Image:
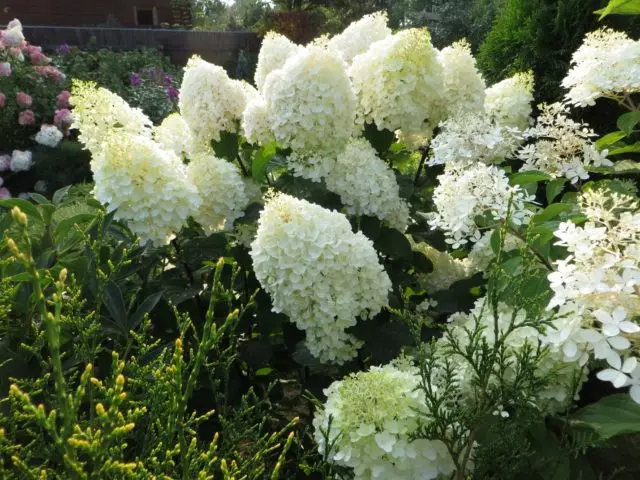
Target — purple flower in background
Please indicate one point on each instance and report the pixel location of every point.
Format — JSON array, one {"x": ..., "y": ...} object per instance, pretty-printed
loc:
[
  {"x": 4, "y": 194},
  {"x": 64, "y": 49},
  {"x": 168, "y": 80},
  {"x": 135, "y": 80},
  {"x": 173, "y": 93}
]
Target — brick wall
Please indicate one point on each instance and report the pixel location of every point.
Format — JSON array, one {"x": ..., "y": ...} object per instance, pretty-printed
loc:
[{"x": 80, "y": 12}]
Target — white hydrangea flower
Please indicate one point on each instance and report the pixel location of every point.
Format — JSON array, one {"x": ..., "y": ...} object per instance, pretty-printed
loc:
[
  {"x": 367, "y": 186},
  {"x": 562, "y": 147},
  {"x": 414, "y": 140},
  {"x": 310, "y": 103},
  {"x": 562, "y": 374},
  {"x": 276, "y": 49},
  {"x": 256, "y": 126},
  {"x": 469, "y": 138},
  {"x": 49, "y": 136},
  {"x": 372, "y": 415},
  {"x": 360, "y": 35},
  {"x": 210, "y": 102},
  {"x": 399, "y": 83},
  {"x": 174, "y": 134},
  {"x": 464, "y": 87},
  {"x": 606, "y": 64},
  {"x": 508, "y": 102},
  {"x": 146, "y": 185},
  {"x": 21, "y": 161},
  {"x": 13, "y": 36},
  {"x": 314, "y": 167},
  {"x": 319, "y": 273},
  {"x": 222, "y": 191},
  {"x": 446, "y": 269},
  {"x": 99, "y": 113},
  {"x": 465, "y": 193},
  {"x": 597, "y": 286}
]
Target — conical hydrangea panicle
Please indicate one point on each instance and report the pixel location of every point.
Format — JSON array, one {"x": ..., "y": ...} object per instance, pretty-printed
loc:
[
  {"x": 146, "y": 185},
  {"x": 310, "y": 103},
  {"x": 222, "y": 191},
  {"x": 367, "y": 186},
  {"x": 370, "y": 417},
  {"x": 319, "y": 273},
  {"x": 398, "y": 82},
  {"x": 210, "y": 102},
  {"x": 99, "y": 113},
  {"x": 276, "y": 49},
  {"x": 464, "y": 87},
  {"x": 508, "y": 102},
  {"x": 606, "y": 64},
  {"x": 360, "y": 35}
]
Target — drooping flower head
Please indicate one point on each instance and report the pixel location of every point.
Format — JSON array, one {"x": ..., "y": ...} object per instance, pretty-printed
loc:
[
  {"x": 367, "y": 186},
  {"x": 98, "y": 113},
  {"x": 222, "y": 191},
  {"x": 146, "y": 185},
  {"x": 398, "y": 82},
  {"x": 319, "y": 273},
  {"x": 360, "y": 35},
  {"x": 508, "y": 102},
  {"x": 464, "y": 87},
  {"x": 368, "y": 420},
  {"x": 210, "y": 102},
  {"x": 276, "y": 49},
  {"x": 310, "y": 103},
  {"x": 607, "y": 63}
]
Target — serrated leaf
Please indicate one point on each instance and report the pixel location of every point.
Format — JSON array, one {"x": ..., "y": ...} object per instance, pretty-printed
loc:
[
  {"x": 496, "y": 240},
  {"x": 381, "y": 140},
  {"x": 114, "y": 301},
  {"x": 554, "y": 188},
  {"x": 394, "y": 244},
  {"x": 61, "y": 194},
  {"x": 261, "y": 160},
  {"x": 528, "y": 177},
  {"x": 551, "y": 212},
  {"x": 609, "y": 139},
  {"x": 29, "y": 209},
  {"x": 227, "y": 147},
  {"x": 628, "y": 121},
  {"x": 39, "y": 199},
  {"x": 611, "y": 416},
  {"x": 147, "y": 305},
  {"x": 635, "y": 148},
  {"x": 620, "y": 7}
]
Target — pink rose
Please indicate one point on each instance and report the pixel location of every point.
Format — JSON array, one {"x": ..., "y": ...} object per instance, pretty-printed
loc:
[
  {"x": 26, "y": 118},
  {"x": 63, "y": 99},
  {"x": 5, "y": 69},
  {"x": 4, "y": 194},
  {"x": 3, "y": 100},
  {"x": 63, "y": 119},
  {"x": 24, "y": 100}
]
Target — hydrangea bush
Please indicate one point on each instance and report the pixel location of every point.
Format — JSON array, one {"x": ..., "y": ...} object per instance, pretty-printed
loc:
[{"x": 445, "y": 267}]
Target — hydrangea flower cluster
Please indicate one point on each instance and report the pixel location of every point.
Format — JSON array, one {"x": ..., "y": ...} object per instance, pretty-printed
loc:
[
  {"x": 21, "y": 161},
  {"x": 256, "y": 126},
  {"x": 319, "y": 273},
  {"x": 210, "y": 102},
  {"x": 562, "y": 147},
  {"x": 49, "y": 136},
  {"x": 99, "y": 113},
  {"x": 517, "y": 332},
  {"x": 371, "y": 416},
  {"x": 446, "y": 269},
  {"x": 221, "y": 189},
  {"x": 173, "y": 134},
  {"x": 597, "y": 287},
  {"x": 310, "y": 103},
  {"x": 509, "y": 101},
  {"x": 464, "y": 87},
  {"x": 276, "y": 49},
  {"x": 477, "y": 190},
  {"x": 607, "y": 64},
  {"x": 469, "y": 138},
  {"x": 398, "y": 82},
  {"x": 129, "y": 173},
  {"x": 360, "y": 35},
  {"x": 367, "y": 186}
]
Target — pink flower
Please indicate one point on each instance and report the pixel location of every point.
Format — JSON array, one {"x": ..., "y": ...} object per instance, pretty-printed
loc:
[
  {"x": 26, "y": 118},
  {"x": 24, "y": 100},
  {"x": 17, "y": 53},
  {"x": 4, "y": 194},
  {"x": 63, "y": 119},
  {"x": 5, "y": 69},
  {"x": 63, "y": 99},
  {"x": 38, "y": 58},
  {"x": 5, "y": 163},
  {"x": 3, "y": 100},
  {"x": 51, "y": 73}
]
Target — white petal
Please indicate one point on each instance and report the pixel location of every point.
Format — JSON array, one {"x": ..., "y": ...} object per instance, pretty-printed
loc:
[
  {"x": 629, "y": 365},
  {"x": 619, "y": 314},
  {"x": 629, "y": 327},
  {"x": 607, "y": 375},
  {"x": 610, "y": 329},
  {"x": 602, "y": 316},
  {"x": 619, "y": 343},
  {"x": 614, "y": 360},
  {"x": 634, "y": 391},
  {"x": 570, "y": 349}
]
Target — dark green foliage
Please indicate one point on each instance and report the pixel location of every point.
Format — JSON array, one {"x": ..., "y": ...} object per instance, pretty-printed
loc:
[{"x": 540, "y": 35}]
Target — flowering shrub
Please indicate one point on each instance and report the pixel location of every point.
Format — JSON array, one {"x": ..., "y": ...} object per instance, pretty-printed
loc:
[{"x": 453, "y": 277}]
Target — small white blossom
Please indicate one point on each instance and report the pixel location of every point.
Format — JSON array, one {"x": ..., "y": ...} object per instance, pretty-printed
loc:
[
  {"x": 21, "y": 161},
  {"x": 49, "y": 136},
  {"x": 508, "y": 102}
]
